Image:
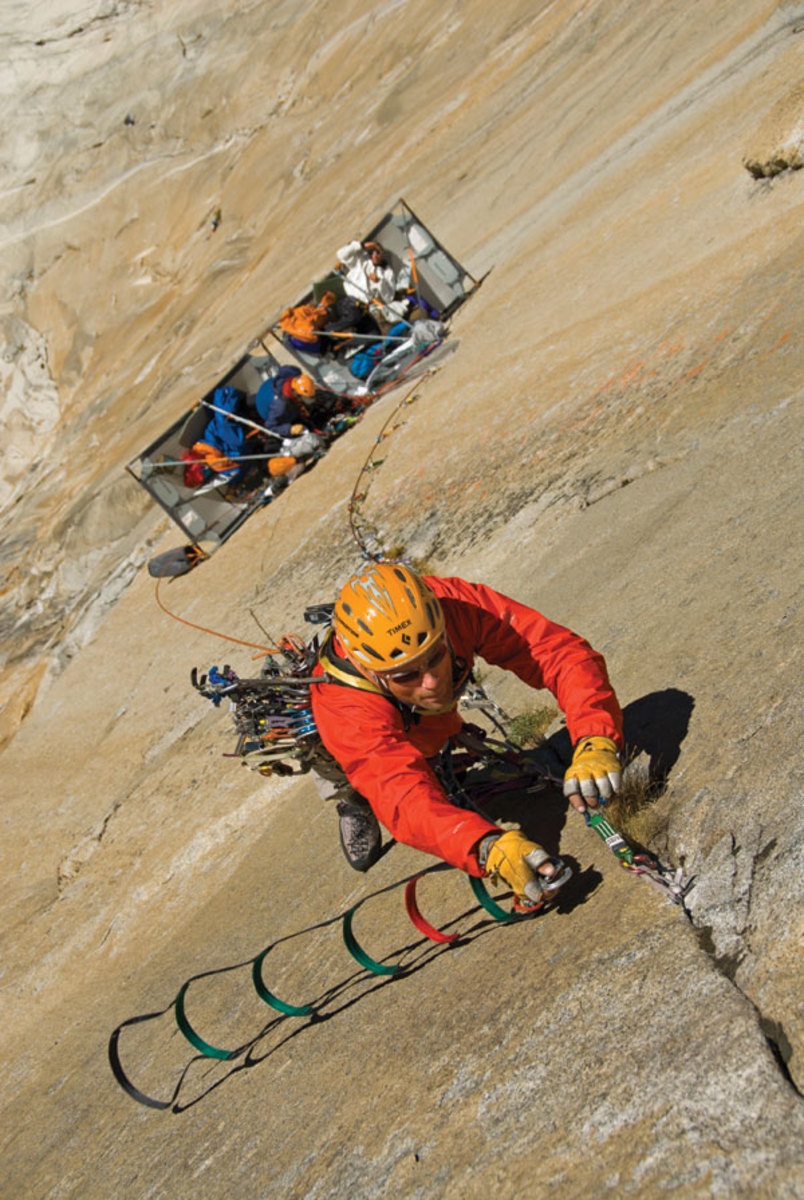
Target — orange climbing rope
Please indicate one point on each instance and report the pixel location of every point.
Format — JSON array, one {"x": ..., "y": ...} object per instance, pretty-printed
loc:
[{"x": 214, "y": 632}]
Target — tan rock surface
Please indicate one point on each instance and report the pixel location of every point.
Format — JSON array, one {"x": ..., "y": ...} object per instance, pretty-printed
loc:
[{"x": 616, "y": 439}]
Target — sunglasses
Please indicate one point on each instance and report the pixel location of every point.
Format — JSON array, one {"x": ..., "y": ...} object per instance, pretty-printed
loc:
[{"x": 414, "y": 674}]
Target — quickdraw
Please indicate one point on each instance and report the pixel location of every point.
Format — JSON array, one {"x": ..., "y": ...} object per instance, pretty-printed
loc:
[{"x": 670, "y": 883}]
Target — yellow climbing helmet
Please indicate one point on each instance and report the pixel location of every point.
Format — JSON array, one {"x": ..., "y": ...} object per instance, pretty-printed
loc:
[{"x": 387, "y": 615}]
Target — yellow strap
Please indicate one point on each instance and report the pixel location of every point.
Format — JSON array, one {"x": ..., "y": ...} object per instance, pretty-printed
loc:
[
  {"x": 337, "y": 673},
  {"x": 333, "y": 669}
]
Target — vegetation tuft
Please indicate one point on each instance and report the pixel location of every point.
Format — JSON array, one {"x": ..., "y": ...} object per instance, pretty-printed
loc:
[
  {"x": 633, "y": 810},
  {"x": 528, "y": 728}
]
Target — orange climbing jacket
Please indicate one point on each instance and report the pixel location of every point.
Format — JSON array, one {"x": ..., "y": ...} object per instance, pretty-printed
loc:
[{"x": 304, "y": 322}]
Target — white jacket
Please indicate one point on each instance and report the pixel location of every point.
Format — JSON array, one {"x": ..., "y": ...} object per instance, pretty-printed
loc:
[{"x": 363, "y": 281}]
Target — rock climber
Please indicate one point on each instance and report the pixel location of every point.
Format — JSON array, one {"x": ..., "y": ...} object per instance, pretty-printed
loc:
[
  {"x": 394, "y": 665},
  {"x": 282, "y": 401},
  {"x": 369, "y": 277}
]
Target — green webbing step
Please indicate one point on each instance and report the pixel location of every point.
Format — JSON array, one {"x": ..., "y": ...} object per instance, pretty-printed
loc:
[
  {"x": 282, "y": 1006},
  {"x": 357, "y": 952},
  {"x": 193, "y": 1038},
  {"x": 490, "y": 905},
  {"x": 290, "y": 1010}
]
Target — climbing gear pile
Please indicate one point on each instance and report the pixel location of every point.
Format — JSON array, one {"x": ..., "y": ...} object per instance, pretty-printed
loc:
[{"x": 272, "y": 714}]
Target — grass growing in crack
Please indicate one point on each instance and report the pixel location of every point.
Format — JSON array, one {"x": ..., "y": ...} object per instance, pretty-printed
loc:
[
  {"x": 529, "y": 727},
  {"x": 633, "y": 810}
]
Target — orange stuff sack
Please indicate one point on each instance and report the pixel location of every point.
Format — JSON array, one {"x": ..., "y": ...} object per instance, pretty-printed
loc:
[
  {"x": 213, "y": 457},
  {"x": 280, "y": 465}
]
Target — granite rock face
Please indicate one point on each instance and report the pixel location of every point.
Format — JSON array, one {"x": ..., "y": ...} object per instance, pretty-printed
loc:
[{"x": 615, "y": 440}]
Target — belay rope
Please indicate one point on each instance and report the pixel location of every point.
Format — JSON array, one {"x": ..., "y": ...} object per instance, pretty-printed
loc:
[{"x": 371, "y": 463}]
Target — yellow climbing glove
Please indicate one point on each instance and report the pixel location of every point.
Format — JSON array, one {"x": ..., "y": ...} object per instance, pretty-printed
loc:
[
  {"x": 511, "y": 857},
  {"x": 594, "y": 773}
]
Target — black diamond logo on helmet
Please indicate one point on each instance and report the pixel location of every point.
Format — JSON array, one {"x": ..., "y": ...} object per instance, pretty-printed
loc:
[{"x": 406, "y": 639}]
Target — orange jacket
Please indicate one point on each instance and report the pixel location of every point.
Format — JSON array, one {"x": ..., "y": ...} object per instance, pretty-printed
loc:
[
  {"x": 387, "y": 764},
  {"x": 306, "y": 320}
]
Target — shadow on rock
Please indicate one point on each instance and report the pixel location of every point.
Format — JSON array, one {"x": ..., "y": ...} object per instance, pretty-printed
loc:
[
  {"x": 541, "y": 815},
  {"x": 656, "y": 725},
  {"x": 578, "y": 889}
]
